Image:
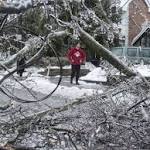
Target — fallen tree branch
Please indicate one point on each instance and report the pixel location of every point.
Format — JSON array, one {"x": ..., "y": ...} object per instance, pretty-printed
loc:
[
  {"x": 105, "y": 53},
  {"x": 137, "y": 104}
]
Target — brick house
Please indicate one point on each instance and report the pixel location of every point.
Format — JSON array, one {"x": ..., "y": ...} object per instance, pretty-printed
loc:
[{"x": 139, "y": 23}]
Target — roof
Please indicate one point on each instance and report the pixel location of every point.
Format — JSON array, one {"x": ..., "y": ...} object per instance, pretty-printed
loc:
[
  {"x": 140, "y": 34},
  {"x": 147, "y": 2}
]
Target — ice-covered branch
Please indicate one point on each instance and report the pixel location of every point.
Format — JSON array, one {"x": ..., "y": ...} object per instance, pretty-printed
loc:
[
  {"x": 60, "y": 22},
  {"x": 31, "y": 44},
  {"x": 89, "y": 12},
  {"x": 59, "y": 34},
  {"x": 105, "y": 53},
  {"x": 14, "y": 6},
  {"x": 17, "y": 6}
]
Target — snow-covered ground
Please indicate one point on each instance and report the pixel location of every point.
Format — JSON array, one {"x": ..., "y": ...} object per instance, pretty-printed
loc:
[
  {"x": 99, "y": 74},
  {"x": 44, "y": 85},
  {"x": 96, "y": 75},
  {"x": 144, "y": 70},
  {"x": 65, "y": 94},
  {"x": 39, "y": 83}
]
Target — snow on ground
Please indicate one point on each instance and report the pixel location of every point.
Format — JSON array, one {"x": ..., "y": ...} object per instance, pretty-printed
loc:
[
  {"x": 97, "y": 75},
  {"x": 87, "y": 65},
  {"x": 144, "y": 70},
  {"x": 43, "y": 84}
]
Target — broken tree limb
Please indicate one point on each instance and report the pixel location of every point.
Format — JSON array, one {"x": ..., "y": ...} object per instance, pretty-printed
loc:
[
  {"x": 92, "y": 44},
  {"x": 30, "y": 44},
  {"x": 33, "y": 43}
]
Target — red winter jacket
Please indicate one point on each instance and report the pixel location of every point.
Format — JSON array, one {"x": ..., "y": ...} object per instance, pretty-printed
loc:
[{"x": 76, "y": 56}]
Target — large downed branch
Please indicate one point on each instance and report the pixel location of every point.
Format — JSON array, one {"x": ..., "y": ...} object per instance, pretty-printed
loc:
[
  {"x": 105, "y": 53},
  {"x": 32, "y": 43}
]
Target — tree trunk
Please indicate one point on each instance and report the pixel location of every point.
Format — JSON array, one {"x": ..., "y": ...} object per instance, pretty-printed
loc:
[{"x": 105, "y": 53}]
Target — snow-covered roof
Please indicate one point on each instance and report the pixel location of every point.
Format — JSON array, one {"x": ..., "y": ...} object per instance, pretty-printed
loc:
[
  {"x": 124, "y": 4},
  {"x": 147, "y": 2},
  {"x": 140, "y": 34}
]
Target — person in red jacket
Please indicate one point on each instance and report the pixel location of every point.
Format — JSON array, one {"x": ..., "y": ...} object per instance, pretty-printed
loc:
[{"x": 76, "y": 57}]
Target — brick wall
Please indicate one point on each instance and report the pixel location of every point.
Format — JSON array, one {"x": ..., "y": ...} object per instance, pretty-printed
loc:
[{"x": 138, "y": 14}]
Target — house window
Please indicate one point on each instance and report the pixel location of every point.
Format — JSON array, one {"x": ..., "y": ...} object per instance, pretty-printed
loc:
[
  {"x": 117, "y": 51},
  {"x": 145, "y": 53},
  {"x": 132, "y": 52}
]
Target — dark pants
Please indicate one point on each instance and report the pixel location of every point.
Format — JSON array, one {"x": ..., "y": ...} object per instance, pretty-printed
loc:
[
  {"x": 20, "y": 66},
  {"x": 20, "y": 72},
  {"x": 75, "y": 71}
]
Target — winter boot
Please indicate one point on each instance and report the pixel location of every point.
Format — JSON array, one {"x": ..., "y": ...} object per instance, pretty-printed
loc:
[
  {"x": 71, "y": 80},
  {"x": 77, "y": 83}
]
